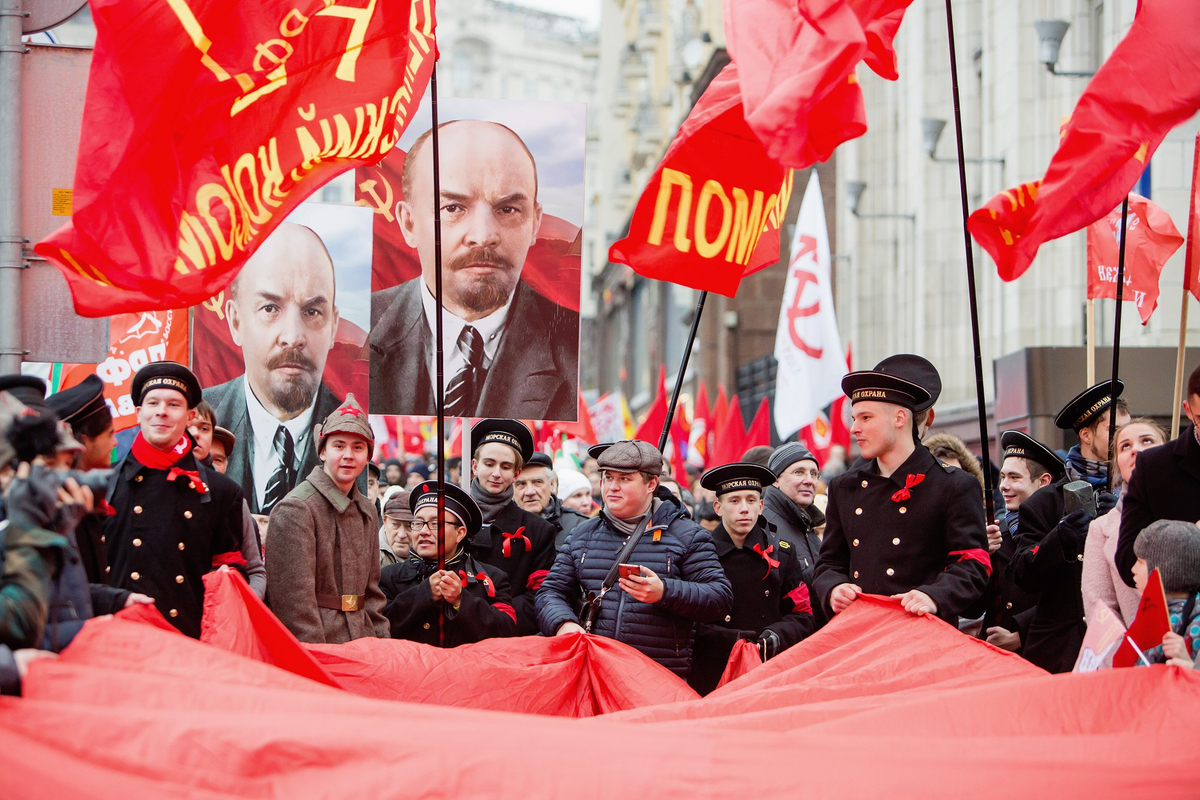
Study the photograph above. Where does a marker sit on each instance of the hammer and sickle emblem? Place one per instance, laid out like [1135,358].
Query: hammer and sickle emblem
[799,312]
[376,202]
[216,304]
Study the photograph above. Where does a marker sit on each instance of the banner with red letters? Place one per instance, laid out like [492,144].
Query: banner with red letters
[1150,239]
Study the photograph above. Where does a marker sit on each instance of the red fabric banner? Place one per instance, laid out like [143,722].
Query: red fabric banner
[1191,261]
[1150,239]
[759,432]
[742,658]
[152,695]
[656,415]
[1146,87]
[194,149]
[728,444]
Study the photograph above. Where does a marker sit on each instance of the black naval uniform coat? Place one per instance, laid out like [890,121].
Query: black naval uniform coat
[526,561]
[484,611]
[888,539]
[164,535]
[768,593]
[1049,561]
[1009,606]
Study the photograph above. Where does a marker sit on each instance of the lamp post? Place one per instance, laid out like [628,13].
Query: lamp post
[1050,34]
[931,134]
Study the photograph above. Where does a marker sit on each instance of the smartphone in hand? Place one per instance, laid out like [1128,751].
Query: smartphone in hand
[629,570]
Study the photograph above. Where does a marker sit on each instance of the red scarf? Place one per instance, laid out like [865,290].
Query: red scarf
[150,456]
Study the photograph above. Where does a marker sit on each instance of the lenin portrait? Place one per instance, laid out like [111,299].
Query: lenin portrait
[510,316]
[283,349]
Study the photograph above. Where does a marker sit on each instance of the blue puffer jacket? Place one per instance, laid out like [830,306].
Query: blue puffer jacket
[683,556]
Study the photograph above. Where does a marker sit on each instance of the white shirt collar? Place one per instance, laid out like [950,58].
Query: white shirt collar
[489,327]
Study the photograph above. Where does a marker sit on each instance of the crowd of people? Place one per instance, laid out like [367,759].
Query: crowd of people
[765,550]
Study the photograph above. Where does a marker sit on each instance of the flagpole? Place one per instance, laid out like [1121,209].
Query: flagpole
[1091,342]
[687,353]
[1177,397]
[984,443]
[440,391]
[1116,362]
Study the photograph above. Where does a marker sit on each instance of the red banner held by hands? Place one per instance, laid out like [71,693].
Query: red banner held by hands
[195,148]
[1150,239]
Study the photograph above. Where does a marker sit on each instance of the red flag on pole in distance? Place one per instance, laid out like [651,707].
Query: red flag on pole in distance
[411,440]
[730,437]
[1191,261]
[651,428]
[759,432]
[720,411]
[582,428]
[796,68]
[1150,239]
[1147,86]
[194,149]
[701,430]
[712,210]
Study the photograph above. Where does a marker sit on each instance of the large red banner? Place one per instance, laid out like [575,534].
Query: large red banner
[1150,239]
[207,121]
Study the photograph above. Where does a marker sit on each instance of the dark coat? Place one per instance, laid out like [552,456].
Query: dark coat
[89,537]
[765,596]
[563,519]
[1049,562]
[165,535]
[484,611]
[229,406]
[1008,605]
[934,541]
[792,524]
[1165,485]
[678,550]
[535,374]
[29,559]
[528,561]
[73,600]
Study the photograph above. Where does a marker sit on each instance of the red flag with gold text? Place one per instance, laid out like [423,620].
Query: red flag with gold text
[1150,239]
[1147,86]
[207,121]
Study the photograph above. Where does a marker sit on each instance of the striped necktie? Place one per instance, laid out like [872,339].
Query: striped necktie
[463,391]
[284,479]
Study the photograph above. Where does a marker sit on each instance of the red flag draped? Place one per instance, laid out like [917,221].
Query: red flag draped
[1191,261]
[730,437]
[1145,88]
[1150,239]
[700,434]
[759,432]
[194,148]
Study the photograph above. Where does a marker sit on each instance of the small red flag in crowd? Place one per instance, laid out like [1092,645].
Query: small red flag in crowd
[652,425]
[1150,239]
[1191,262]
[1145,88]
[195,148]
[730,437]
[759,432]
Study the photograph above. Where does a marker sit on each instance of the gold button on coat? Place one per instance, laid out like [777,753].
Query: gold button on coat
[858,511]
[767,593]
[187,515]
[856,542]
[856,573]
[864,484]
[903,510]
[107,570]
[102,540]
[138,479]
[173,613]
[891,571]
[135,575]
[728,618]
[425,626]
[896,540]
[181,545]
[137,542]
[137,509]
[179,579]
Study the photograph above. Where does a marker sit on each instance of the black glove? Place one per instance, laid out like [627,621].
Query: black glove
[1105,502]
[1073,529]
[768,644]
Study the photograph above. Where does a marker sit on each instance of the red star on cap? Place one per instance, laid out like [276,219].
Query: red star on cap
[350,410]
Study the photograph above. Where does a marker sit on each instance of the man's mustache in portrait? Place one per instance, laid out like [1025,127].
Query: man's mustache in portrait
[487,291]
[293,392]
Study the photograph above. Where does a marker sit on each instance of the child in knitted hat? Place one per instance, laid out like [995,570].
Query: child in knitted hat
[1173,548]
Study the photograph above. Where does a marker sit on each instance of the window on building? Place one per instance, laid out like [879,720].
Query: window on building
[462,67]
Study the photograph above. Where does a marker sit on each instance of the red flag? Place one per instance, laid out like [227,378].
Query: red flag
[651,428]
[827,430]
[720,411]
[731,436]
[796,66]
[1191,259]
[759,432]
[701,431]
[580,429]
[1145,88]
[411,441]
[712,209]
[1150,239]
[194,149]
[1149,625]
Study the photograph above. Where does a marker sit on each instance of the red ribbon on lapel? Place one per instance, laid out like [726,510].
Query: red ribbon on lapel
[193,477]
[480,576]
[909,482]
[508,537]
[766,554]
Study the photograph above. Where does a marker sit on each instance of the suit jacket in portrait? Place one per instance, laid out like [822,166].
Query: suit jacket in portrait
[229,405]
[535,374]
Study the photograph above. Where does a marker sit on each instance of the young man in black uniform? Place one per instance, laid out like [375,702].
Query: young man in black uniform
[1165,483]
[770,599]
[173,518]
[1027,466]
[475,600]
[511,539]
[901,523]
[1049,545]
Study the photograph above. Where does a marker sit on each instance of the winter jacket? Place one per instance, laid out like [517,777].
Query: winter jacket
[563,519]
[1101,580]
[484,610]
[29,559]
[675,548]
[792,523]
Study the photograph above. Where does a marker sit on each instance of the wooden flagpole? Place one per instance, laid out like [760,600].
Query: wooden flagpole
[1091,342]
[1177,397]
[984,442]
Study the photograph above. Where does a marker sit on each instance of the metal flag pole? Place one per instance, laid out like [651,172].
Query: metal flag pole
[438,382]
[687,354]
[1112,389]
[984,443]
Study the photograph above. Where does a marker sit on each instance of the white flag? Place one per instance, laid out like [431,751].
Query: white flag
[807,345]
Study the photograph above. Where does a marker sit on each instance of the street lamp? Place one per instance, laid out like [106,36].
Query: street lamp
[931,134]
[1050,34]
[854,193]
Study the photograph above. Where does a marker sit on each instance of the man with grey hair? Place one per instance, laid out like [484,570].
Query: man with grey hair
[652,573]
[788,503]
[509,351]
[282,314]
[535,490]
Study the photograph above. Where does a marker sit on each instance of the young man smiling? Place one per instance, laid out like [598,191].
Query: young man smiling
[770,599]
[900,523]
[323,582]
